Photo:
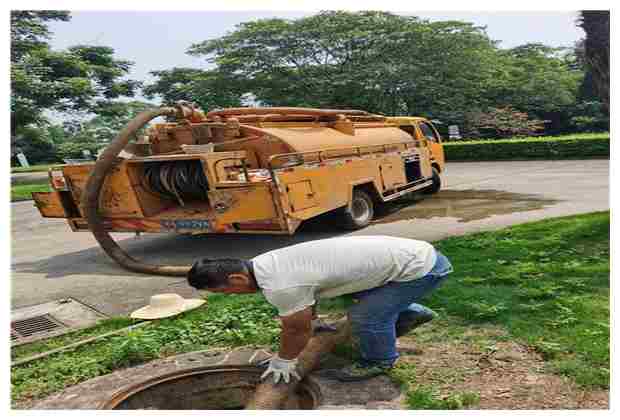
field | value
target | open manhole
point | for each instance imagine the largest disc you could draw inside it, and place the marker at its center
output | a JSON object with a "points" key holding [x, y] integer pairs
{"points": [[206, 388]]}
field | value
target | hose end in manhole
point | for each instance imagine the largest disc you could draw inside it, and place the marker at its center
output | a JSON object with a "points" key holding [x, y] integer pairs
{"points": [[205, 388]]}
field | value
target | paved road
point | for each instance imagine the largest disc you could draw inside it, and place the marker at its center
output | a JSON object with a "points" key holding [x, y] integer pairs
{"points": [[51, 262]]}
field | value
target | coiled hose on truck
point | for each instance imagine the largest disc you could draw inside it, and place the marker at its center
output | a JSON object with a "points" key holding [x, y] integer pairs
{"points": [[90, 199]]}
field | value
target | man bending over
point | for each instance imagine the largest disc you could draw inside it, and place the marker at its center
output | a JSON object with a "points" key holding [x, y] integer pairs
{"points": [[385, 275]]}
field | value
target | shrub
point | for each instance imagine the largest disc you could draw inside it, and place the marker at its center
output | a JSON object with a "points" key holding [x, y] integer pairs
{"points": [[564, 147], [74, 150], [32, 142], [501, 123], [589, 116]]}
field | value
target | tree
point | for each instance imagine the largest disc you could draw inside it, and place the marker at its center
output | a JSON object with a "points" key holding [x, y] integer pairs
{"points": [[207, 88], [81, 79], [538, 80], [501, 123], [34, 143], [29, 32], [99, 130], [377, 61], [391, 64], [595, 23], [589, 113], [380, 62]]}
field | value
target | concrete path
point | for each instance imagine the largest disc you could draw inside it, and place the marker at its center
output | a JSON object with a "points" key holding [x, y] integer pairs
{"points": [[51, 262], [28, 177]]}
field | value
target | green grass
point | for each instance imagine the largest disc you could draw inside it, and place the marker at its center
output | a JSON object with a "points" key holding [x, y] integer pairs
{"points": [[34, 168], [426, 397], [225, 321], [546, 284], [102, 327], [23, 191]]}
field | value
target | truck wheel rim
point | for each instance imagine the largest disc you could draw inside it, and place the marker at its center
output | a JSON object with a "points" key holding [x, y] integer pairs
{"points": [[360, 210]]}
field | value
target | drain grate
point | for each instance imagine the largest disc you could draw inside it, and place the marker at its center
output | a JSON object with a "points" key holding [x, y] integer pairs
{"points": [[37, 324], [51, 319]]}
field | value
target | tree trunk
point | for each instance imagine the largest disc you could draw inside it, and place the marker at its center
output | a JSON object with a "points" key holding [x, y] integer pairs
{"points": [[595, 24], [270, 396]]}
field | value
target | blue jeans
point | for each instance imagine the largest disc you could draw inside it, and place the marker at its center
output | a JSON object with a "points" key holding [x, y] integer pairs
{"points": [[374, 317]]}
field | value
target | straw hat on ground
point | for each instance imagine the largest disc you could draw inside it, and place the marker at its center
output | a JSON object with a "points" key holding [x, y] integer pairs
{"points": [[166, 305]]}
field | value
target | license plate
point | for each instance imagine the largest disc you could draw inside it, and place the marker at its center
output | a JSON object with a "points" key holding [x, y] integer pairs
{"points": [[185, 225]]}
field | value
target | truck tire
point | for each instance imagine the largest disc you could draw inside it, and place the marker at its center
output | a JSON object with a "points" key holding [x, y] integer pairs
{"points": [[436, 186], [359, 212]]}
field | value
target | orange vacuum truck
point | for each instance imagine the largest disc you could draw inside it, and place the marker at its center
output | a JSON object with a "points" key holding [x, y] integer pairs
{"points": [[242, 170]]}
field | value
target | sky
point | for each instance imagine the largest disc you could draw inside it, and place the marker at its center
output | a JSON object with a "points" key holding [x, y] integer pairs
{"points": [[158, 40]]}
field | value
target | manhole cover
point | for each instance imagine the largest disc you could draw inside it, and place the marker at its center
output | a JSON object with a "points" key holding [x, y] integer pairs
{"points": [[50, 319]]}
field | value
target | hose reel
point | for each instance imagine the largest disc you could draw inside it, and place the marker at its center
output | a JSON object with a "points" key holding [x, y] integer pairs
{"points": [[181, 180]]}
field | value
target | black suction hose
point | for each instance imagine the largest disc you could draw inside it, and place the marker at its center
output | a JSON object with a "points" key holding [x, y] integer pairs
{"points": [[90, 199]]}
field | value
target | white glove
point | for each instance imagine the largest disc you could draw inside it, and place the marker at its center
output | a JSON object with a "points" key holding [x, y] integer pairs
{"points": [[319, 326], [281, 368]]}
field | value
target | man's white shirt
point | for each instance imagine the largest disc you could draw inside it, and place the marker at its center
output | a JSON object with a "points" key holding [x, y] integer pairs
{"points": [[291, 278]]}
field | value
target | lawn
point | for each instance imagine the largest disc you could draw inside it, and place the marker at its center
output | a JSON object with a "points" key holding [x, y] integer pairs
{"points": [[23, 191], [546, 284]]}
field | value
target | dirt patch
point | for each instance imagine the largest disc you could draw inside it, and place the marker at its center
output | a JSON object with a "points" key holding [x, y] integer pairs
{"points": [[506, 375]]}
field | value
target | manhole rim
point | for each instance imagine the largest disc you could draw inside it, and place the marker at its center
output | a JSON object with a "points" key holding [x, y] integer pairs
{"points": [[118, 397]]}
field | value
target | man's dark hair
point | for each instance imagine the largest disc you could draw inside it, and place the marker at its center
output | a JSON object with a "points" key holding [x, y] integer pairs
{"points": [[212, 273]]}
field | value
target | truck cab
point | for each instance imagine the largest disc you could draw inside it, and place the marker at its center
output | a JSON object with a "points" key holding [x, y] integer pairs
{"points": [[422, 129]]}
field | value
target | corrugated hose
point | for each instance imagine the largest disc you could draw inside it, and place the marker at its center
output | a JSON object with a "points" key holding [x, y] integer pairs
{"points": [[90, 198]]}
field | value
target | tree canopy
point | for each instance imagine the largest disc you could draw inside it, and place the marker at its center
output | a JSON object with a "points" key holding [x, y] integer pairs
{"points": [[377, 61], [380, 62], [81, 78], [210, 89]]}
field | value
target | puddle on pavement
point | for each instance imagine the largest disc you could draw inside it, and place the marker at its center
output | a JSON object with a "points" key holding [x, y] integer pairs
{"points": [[465, 205]]}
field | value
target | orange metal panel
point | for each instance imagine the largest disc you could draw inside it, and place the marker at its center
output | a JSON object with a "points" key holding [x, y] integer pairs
{"points": [[331, 184], [243, 204], [301, 196], [49, 204], [425, 163], [392, 172], [117, 198]]}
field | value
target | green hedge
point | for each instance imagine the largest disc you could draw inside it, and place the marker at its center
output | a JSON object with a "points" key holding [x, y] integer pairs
{"points": [[577, 146]]}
